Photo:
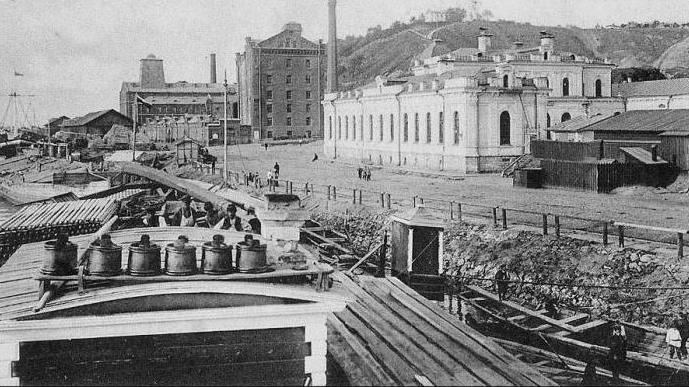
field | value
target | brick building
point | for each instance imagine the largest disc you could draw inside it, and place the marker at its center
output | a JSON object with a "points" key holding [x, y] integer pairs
{"points": [[281, 81], [178, 98]]}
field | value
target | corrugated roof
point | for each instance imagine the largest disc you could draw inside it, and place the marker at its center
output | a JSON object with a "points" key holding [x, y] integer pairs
{"points": [[577, 123], [644, 121], [652, 88], [642, 155]]}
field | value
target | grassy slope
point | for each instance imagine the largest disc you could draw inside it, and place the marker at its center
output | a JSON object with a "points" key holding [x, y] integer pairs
{"points": [[362, 58]]}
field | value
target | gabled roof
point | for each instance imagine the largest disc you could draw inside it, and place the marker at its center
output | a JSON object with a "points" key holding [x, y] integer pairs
{"points": [[90, 117], [664, 87], [53, 120], [287, 39], [644, 121], [578, 123], [419, 216], [642, 155]]}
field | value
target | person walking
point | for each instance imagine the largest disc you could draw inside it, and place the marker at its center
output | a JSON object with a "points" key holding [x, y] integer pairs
{"points": [[265, 145], [276, 169], [618, 351], [684, 333], [674, 339], [502, 279], [360, 171]]}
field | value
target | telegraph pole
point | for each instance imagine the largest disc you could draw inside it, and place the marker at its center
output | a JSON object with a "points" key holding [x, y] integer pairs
{"points": [[225, 173]]}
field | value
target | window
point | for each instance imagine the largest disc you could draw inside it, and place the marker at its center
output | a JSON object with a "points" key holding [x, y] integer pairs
{"points": [[288, 63], [308, 107], [353, 127], [307, 63], [505, 128], [505, 81], [289, 121], [289, 133], [288, 79], [346, 127], [380, 127], [545, 56], [416, 127], [455, 127], [269, 94], [269, 107], [289, 108], [308, 94], [547, 120], [406, 127], [441, 129], [270, 134], [330, 127], [565, 117], [392, 127], [269, 121], [428, 127], [288, 94], [599, 88], [565, 87], [370, 127], [307, 79], [339, 127], [269, 79]]}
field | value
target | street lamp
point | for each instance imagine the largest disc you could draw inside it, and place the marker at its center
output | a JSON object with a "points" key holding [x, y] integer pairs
{"points": [[225, 174]]}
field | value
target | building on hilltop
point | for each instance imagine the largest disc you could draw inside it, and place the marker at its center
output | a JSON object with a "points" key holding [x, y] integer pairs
{"points": [[281, 81], [178, 98], [654, 95]]}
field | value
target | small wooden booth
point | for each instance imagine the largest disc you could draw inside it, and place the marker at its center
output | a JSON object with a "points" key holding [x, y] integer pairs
{"points": [[417, 251], [188, 150]]}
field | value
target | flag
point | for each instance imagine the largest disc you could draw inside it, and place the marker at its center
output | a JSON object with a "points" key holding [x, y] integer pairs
{"points": [[18, 74], [143, 101]]}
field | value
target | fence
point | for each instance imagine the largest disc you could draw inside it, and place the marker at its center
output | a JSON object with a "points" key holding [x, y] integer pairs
{"points": [[501, 216]]}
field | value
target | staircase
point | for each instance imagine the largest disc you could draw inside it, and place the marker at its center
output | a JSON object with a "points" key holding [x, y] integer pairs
{"points": [[520, 162]]}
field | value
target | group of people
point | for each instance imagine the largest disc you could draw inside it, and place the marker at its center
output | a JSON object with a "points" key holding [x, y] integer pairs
{"points": [[364, 173], [188, 216]]}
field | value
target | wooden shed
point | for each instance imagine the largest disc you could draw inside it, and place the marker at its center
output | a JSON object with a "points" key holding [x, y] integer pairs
{"points": [[417, 250], [188, 150], [674, 147]]}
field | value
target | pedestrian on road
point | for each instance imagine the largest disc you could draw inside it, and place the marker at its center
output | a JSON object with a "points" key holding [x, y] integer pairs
{"points": [[276, 168], [360, 171], [684, 333], [265, 145], [502, 279], [618, 351], [674, 339]]}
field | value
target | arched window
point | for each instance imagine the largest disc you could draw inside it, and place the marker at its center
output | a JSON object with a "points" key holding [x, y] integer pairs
{"points": [[330, 127], [599, 88], [547, 120], [441, 128], [505, 128], [339, 127], [455, 127], [392, 127], [353, 127], [505, 81], [416, 127], [565, 117], [370, 127], [380, 127], [428, 127], [346, 127], [565, 87], [406, 127]]}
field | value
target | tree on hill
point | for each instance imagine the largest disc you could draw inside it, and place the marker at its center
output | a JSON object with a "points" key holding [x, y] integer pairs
{"points": [[637, 74]]}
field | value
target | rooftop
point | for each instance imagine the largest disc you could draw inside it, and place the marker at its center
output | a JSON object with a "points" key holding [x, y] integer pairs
{"points": [[664, 87], [643, 121], [88, 118], [579, 122]]}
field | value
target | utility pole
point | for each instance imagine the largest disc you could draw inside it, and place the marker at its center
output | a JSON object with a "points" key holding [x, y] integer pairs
{"points": [[134, 114], [225, 174]]}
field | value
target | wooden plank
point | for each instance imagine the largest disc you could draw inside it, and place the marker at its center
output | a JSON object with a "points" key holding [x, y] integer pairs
{"points": [[517, 317], [327, 240], [365, 257], [590, 325], [576, 317]]}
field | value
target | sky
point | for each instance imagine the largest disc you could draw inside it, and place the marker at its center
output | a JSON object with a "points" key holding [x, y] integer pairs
{"points": [[75, 54]]}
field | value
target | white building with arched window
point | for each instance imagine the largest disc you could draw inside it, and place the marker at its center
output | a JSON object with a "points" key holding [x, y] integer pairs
{"points": [[454, 121]]}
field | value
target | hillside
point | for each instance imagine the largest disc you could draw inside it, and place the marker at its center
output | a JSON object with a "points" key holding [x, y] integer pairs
{"points": [[387, 50]]}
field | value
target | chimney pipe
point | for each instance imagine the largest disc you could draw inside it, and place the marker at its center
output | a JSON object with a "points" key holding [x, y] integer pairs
{"points": [[332, 47], [214, 75]]}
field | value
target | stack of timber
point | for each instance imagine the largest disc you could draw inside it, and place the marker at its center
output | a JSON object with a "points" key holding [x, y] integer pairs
{"points": [[390, 335], [40, 222], [575, 335]]}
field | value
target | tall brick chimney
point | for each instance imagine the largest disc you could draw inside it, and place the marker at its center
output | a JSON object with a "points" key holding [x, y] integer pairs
{"points": [[332, 47], [214, 74]]}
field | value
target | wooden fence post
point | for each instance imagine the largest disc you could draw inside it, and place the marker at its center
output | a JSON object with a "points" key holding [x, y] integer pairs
{"points": [[495, 217], [360, 196], [413, 201], [620, 231], [306, 188], [605, 234], [680, 245], [557, 226], [452, 215], [389, 200], [286, 186], [382, 199], [334, 193], [545, 224], [459, 211], [504, 219], [328, 192], [354, 195]]}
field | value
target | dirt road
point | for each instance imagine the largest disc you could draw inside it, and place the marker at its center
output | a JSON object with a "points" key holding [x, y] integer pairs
{"points": [[295, 164]]}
